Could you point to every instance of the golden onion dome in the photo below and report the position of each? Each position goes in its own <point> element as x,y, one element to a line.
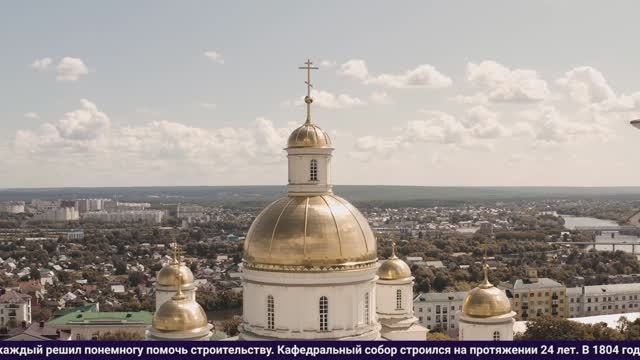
<point>180,314</point>
<point>169,273</point>
<point>486,300</point>
<point>309,135</point>
<point>310,233</point>
<point>394,269</point>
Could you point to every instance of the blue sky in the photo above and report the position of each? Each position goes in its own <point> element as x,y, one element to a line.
<point>413,92</point>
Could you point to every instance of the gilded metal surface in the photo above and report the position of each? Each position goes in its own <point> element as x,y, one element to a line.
<point>394,269</point>
<point>168,273</point>
<point>309,135</point>
<point>180,313</point>
<point>310,233</point>
<point>636,123</point>
<point>486,300</point>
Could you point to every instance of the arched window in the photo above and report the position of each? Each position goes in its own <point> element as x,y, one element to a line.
<point>324,313</point>
<point>271,316</point>
<point>366,308</point>
<point>496,336</point>
<point>399,299</point>
<point>313,170</point>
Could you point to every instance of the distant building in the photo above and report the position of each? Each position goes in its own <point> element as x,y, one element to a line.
<point>438,310</point>
<point>537,297</point>
<point>145,216</point>
<point>15,309</point>
<point>486,228</point>
<point>603,299</point>
<point>87,323</point>
<point>12,207</point>
<point>63,214</point>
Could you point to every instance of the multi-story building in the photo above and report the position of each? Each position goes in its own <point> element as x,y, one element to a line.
<point>12,207</point>
<point>603,299</point>
<point>62,214</point>
<point>537,297</point>
<point>146,216</point>
<point>438,310</point>
<point>15,309</point>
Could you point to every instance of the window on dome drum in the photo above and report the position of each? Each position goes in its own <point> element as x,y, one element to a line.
<point>324,313</point>
<point>496,336</point>
<point>270,313</point>
<point>366,308</point>
<point>398,299</point>
<point>313,170</point>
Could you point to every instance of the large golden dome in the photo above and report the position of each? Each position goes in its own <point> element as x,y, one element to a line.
<point>309,135</point>
<point>310,233</point>
<point>180,314</point>
<point>485,301</point>
<point>168,275</point>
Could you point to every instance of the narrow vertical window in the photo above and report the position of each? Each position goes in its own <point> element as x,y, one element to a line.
<point>366,308</point>
<point>270,313</point>
<point>324,313</point>
<point>496,336</point>
<point>399,299</point>
<point>313,170</point>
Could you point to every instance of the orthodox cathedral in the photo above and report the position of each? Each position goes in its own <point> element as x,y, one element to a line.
<point>311,270</point>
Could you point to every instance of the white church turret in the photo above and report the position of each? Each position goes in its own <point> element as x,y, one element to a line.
<point>394,297</point>
<point>486,312</point>
<point>309,152</point>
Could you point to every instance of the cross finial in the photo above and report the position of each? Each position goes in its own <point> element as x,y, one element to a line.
<point>485,270</point>
<point>178,295</point>
<point>393,248</point>
<point>307,99</point>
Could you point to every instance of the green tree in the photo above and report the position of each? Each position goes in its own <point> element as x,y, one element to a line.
<point>547,328</point>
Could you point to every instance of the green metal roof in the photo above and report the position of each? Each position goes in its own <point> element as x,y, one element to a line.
<point>84,308</point>
<point>103,318</point>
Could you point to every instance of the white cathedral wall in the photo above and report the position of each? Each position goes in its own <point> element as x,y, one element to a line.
<point>483,329</point>
<point>386,299</point>
<point>296,304</point>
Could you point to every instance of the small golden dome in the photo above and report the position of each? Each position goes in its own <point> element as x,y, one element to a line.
<point>309,135</point>
<point>169,273</point>
<point>394,269</point>
<point>486,300</point>
<point>180,314</point>
<point>310,233</point>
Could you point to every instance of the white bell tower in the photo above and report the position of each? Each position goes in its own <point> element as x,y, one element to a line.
<point>309,153</point>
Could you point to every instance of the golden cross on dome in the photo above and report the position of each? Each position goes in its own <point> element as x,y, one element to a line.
<point>485,269</point>
<point>178,295</point>
<point>393,248</point>
<point>307,99</point>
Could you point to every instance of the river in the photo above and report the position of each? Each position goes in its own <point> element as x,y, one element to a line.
<point>570,222</point>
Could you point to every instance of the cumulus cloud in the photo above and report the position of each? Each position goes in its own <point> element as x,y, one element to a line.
<point>208,105</point>
<point>380,97</point>
<point>41,64</point>
<point>326,99</point>
<point>550,127</point>
<point>215,56</point>
<point>71,69</point>
<point>87,136</point>
<point>501,84</point>
<point>31,115</point>
<point>423,76</point>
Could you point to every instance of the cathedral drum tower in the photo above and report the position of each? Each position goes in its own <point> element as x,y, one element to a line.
<point>309,257</point>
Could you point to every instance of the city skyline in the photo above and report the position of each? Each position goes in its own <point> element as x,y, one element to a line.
<point>206,94</point>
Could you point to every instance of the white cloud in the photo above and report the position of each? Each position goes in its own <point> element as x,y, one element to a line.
<point>476,99</point>
<point>484,123</point>
<point>325,99</point>
<point>31,115</point>
<point>586,85</point>
<point>501,84</point>
<point>87,136</point>
<point>215,56</point>
<point>70,69</point>
<point>208,105</point>
<point>355,68</point>
<point>423,76</point>
<point>41,64</point>
<point>380,97</point>
<point>328,63</point>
